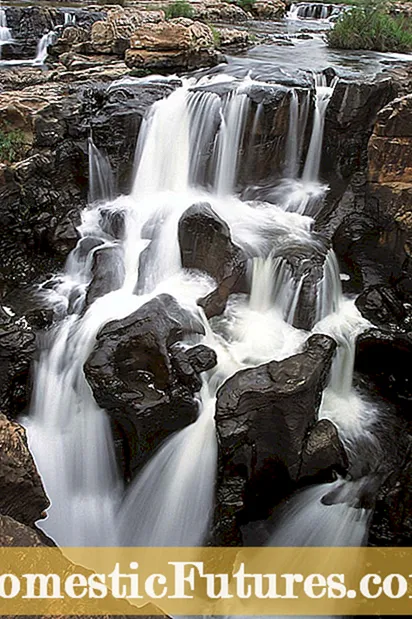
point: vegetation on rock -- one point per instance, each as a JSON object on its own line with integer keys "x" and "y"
{"x": 369, "y": 25}
{"x": 11, "y": 145}
{"x": 180, "y": 8}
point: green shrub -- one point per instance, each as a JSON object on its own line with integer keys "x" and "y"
{"x": 246, "y": 5}
{"x": 12, "y": 145}
{"x": 370, "y": 26}
{"x": 216, "y": 35}
{"x": 180, "y": 8}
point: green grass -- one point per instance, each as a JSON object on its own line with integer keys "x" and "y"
{"x": 12, "y": 145}
{"x": 370, "y": 26}
{"x": 216, "y": 35}
{"x": 180, "y": 8}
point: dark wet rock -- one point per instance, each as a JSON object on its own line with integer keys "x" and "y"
{"x": 22, "y": 495}
{"x": 381, "y": 305}
{"x": 107, "y": 272}
{"x": 263, "y": 416}
{"x": 350, "y": 117}
{"x": 189, "y": 363}
{"x": 392, "y": 518}
{"x": 385, "y": 357}
{"x": 323, "y": 451}
{"x": 206, "y": 245}
{"x": 41, "y": 196}
{"x": 17, "y": 349}
{"x": 132, "y": 376}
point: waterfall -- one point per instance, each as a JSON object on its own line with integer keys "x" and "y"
{"x": 101, "y": 181}
{"x": 69, "y": 19}
{"x": 6, "y": 36}
{"x": 292, "y": 162}
{"x": 42, "y": 48}
{"x": 314, "y": 10}
{"x": 229, "y": 142}
{"x": 323, "y": 94}
{"x": 170, "y": 501}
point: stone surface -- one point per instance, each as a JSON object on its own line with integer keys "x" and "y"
{"x": 134, "y": 375}
{"x": 262, "y": 417}
{"x": 22, "y": 495}
{"x": 17, "y": 349}
{"x": 205, "y": 244}
{"x": 323, "y": 451}
{"x": 179, "y": 44}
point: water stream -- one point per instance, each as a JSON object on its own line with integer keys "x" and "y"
{"x": 170, "y": 502}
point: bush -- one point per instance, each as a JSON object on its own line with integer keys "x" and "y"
{"x": 246, "y": 5}
{"x": 12, "y": 145}
{"x": 180, "y": 8}
{"x": 370, "y": 26}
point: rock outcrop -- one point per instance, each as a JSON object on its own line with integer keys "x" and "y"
{"x": 265, "y": 420}
{"x": 206, "y": 245}
{"x": 17, "y": 349}
{"x": 144, "y": 380}
{"x": 179, "y": 44}
{"x": 22, "y": 495}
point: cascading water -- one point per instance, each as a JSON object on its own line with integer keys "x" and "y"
{"x": 314, "y": 10}
{"x": 6, "y": 36}
{"x": 42, "y": 48}
{"x": 323, "y": 94}
{"x": 170, "y": 501}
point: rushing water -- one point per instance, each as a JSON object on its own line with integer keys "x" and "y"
{"x": 6, "y": 36}
{"x": 170, "y": 501}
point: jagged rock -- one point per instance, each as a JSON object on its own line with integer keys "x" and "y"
{"x": 390, "y": 174}
{"x": 323, "y": 451}
{"x": 17, "y": 349}
{"x": 229, "y": 37}
{"x": 220, "y": 12}
{"x": 381, "y": 305}
{"x": 22, "y": 495}
{"x": 17, "y": 534}
{"x": 268, "y": 9}
{"x": 385, "y": 357}
{"x": 350, "y": 117}
{"x": 112, "y": 36}
{"x": 107, "y": 272}
{"x": 189, "y": 363}
{"x": 179, "y": 44}
{"x": 205, "y": 244}
{"x": 132, "y": 375}
{"x": 263, "y": 416}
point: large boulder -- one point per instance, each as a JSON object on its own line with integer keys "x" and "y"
{"x": 268, "y": 9}
{"x": 227, "y": 12}
{"x": 22, "y": 494}
{"x": 142, "y": 377}
{"x": 263, "y": 419}
{"x": 179, "y": 44}
{"x": 384, "y": 356}
{"x": 112, "y": 35}
{"x": 205, "y": 244}
{"x": 17, "y": 349}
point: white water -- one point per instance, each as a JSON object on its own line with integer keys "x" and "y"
{"x": 170, "y": 502}
{"x": 6, "y": 36}
{"x": 69, "y": 19}
{"x": 42, "y": 48}
{"x": 314, "y": 10}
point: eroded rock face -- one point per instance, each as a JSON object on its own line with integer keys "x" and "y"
{"x": 179, "y": 44}
{"x": 17, "y": 349}
{"x": 22, "y": 495}
{"x": 385, "y": 357}
{"x": 220, "y": 11}
{"x": 390, "y": 169}
{"x": 145, "y": 383}
{"x": 206, "y": 245}
{"x": 263, "y": 416}
{"x": 268, "y": 9}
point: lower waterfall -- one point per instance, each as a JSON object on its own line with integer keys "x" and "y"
{"x": 170, "y": 502}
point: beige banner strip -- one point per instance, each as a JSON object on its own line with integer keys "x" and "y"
{"x": 205, "y": 581}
